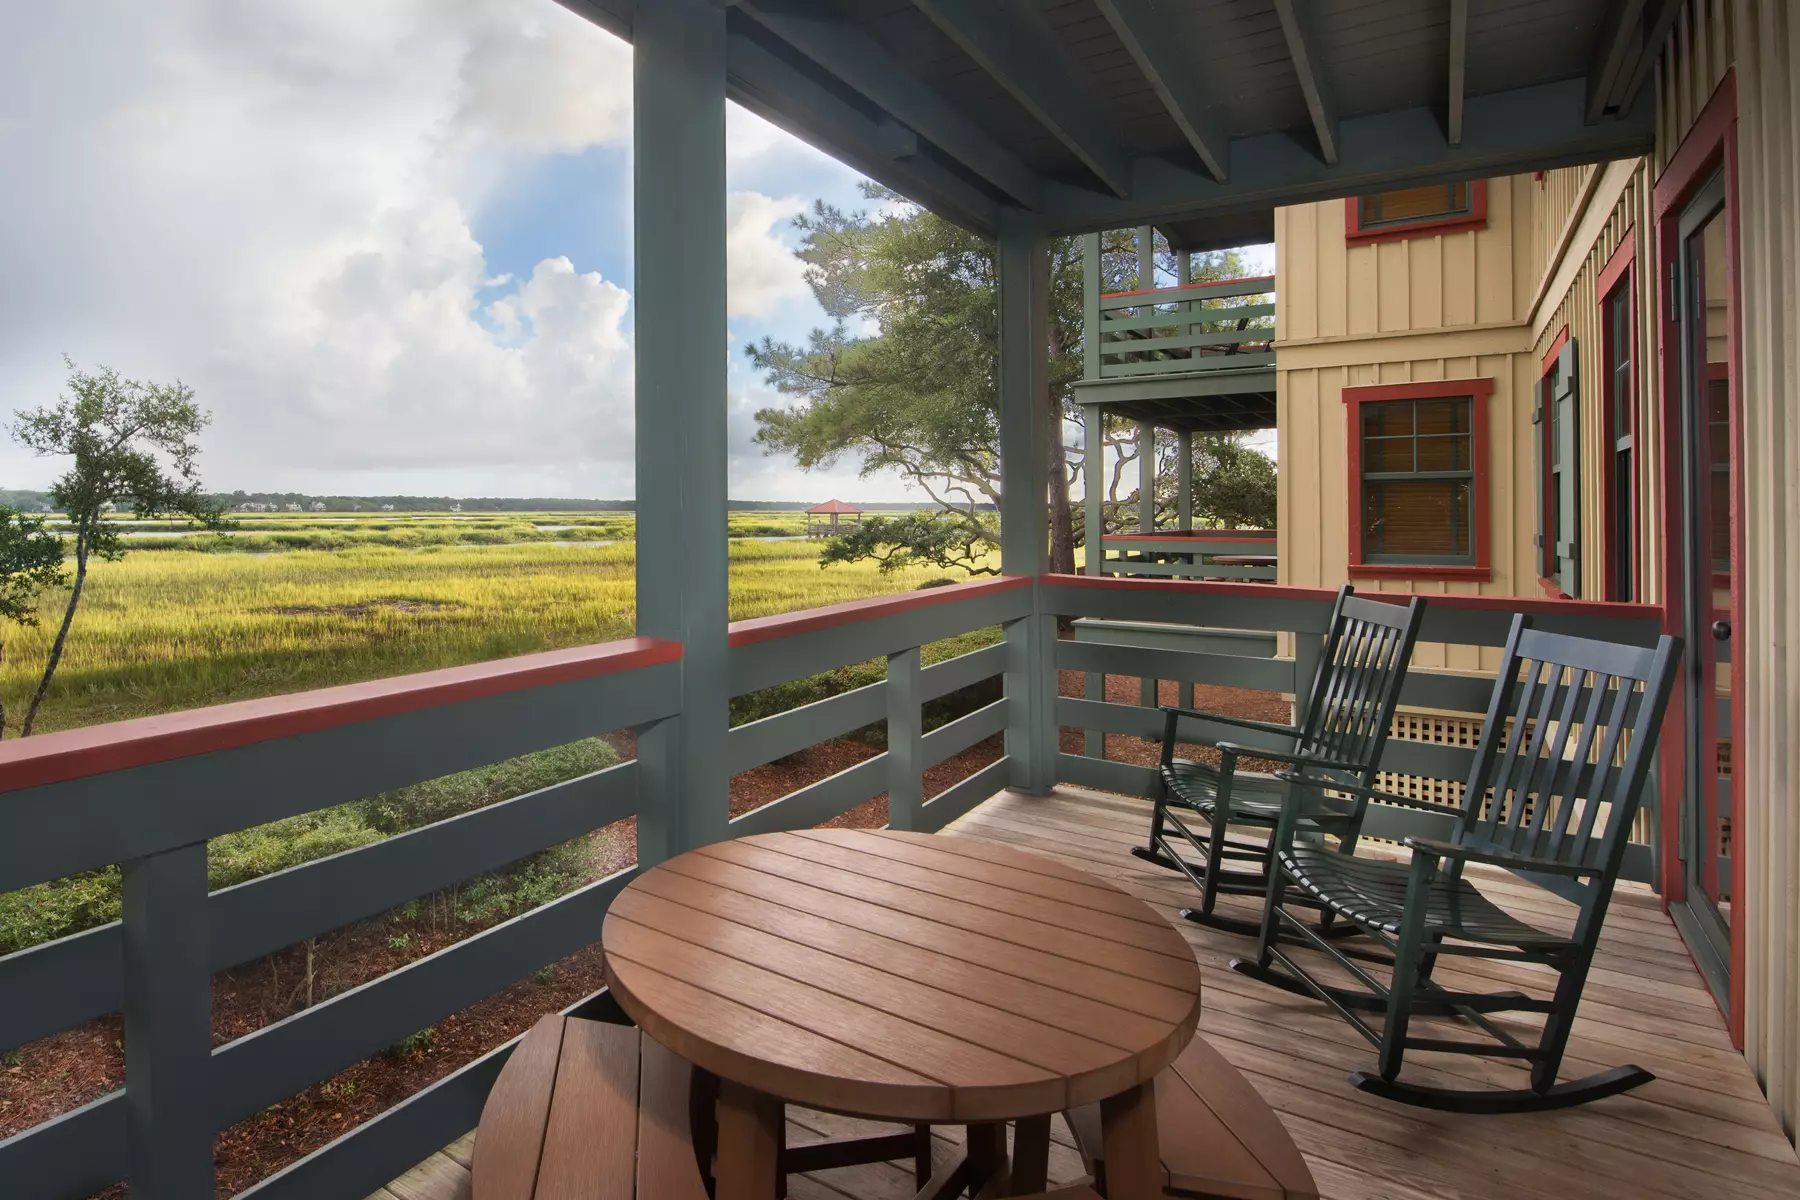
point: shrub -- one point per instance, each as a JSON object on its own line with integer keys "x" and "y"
{"x": 262, "y": 849}
{"x": 439, "y": 799}
{"x": 46, "y": 911}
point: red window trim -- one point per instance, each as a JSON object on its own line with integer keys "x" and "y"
{"x": 1620, "y": 272}
{"x": 1475, "y": 218}
{"x": 1480, "y": 390}
{"x": 1710, "y": 144}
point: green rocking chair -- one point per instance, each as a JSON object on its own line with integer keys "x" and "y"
{"x": 1559, "y": 771}
{"x": 1345, "y": 725}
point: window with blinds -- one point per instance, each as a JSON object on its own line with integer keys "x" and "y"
{"x": 1433, "y": 202}
{"x": 1418, "y": 478}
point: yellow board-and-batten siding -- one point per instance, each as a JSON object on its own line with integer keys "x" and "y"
{"x": 1490, "y": 302}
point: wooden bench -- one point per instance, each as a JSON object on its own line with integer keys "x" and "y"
{"x": 588, "y": 1109}
{"x": 1218, "y": 1137}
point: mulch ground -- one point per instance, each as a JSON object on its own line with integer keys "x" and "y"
{"x": 58, "y": 1073}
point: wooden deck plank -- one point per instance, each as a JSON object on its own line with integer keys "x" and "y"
{"x": 1702, "y": 1128}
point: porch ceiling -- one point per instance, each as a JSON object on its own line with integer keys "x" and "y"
{"x": 1108, "y": 113}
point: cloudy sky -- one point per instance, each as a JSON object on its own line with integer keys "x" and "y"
{"x": 389, "y": 244}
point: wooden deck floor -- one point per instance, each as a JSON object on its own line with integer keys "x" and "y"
{"x": 1701, "y": 1129}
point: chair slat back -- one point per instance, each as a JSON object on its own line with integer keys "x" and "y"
{"x": 1567, "y": 746}
{"x": 1361, "y": 667}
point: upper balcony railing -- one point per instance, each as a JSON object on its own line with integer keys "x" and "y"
{"x": 1225, "y": 325}
{"x": 1243, "y": 555}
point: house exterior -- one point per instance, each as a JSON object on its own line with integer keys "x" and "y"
{"x": 1580, "y": 383}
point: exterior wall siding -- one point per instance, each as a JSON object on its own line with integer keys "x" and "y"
{"x": 1491, "y": 303}
{"x": 1766, "y": 38}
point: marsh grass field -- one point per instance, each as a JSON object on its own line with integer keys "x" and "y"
{"x": 295, "y": 601}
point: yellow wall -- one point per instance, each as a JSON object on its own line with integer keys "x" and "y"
{"x": 1490, "y": 303}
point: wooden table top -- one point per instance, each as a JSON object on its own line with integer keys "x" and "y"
{"x": 898, "y": 975}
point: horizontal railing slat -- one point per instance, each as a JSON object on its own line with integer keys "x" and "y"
{"x": 387, "y": 1146}
{"x": 819, "y": 802}
{"x": 76, "y": 1154}
{"x": 959, "y": 798}
{"x": 958, "y": 735}
{"x": 779, "y": 660}
{"x": 1176, "y": 340}
{"x": 1258, "y": 606}
{"x": 90, "y": 822}
{"x": 1197, "y": 569}
{"x": 51, "y": 987}
{"x": 758, "y": 742}
{"x": 260, "y": 1068}
{"x": 1175, "y": 544}
{"x": 1177, "y": 366}
{"x": 1226, "y": 670}
{"x": 1125, "y": 778}
{"x": 954, "y": 674}
{"x": 279, "y": 910}
{"x": 1254, "y": 285}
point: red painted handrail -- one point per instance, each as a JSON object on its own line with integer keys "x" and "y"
{"x": 763, "y": 629}
{"x": 1192, "y": 287}
{"x": 119, "y": 745}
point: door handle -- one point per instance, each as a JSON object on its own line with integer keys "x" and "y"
{"x": 1721, "y": 631}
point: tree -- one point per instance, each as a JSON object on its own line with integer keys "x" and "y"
{"x": 133, "y": 445}
{"x": 919, "y": 394}
{"x": 31, "y": 560}
{"x": 1234, "y": 484}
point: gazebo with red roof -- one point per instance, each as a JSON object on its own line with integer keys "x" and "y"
{"x": 817, "y": 526}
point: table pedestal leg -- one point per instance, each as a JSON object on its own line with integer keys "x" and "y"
{"x": 1128, "y": 1136}
{"x": 1031, "y": 1155}
{"x": 986, "y": 1149}
{"x": 750, "y": 1127}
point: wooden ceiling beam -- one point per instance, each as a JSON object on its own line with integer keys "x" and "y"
{"x": 1459, "y": 46}
{"x": 856, "y": 59}
{"x": 1296, "y": 27}
{"x": 1014, "y": 46}
{"x": 1143, "y": 30}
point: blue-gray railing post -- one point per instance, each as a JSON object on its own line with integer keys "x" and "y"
{"x": 905, "y": 750}
{"x": 1093, "y": 466}
{"x": 168, "y": 1025}
{"x": 1025, "y": 427}
{"x": 1146, "y": 448}
{"x": 678, "y": 115}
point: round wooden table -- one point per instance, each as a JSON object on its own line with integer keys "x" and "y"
{"x": 909, "y": 977}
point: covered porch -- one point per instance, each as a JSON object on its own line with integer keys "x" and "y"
{"x": 1702, "y": 1128}
{"x": 915, "y": 95}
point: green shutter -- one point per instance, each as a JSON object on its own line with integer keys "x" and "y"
{"x": 1566, "y": 430}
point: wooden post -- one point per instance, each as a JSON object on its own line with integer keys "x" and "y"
{"x": 905, "y": 750}
{"x": 678, "y": 109}
{"x": 1024, "y": 493}
{"x": 168, "y": 1025}
{"x": 1090, "y": 305}
{"x": 1093, "y": 742}
{"x": 1146, "y": 441}
{"x": 1184, "y": 474}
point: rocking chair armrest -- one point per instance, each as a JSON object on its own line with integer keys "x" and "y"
{"x": 1357, "y": 789}
{"x": 1301, "y": 760}
{"x": 1223, "y": 719}
{"x": 1498, "y": 858}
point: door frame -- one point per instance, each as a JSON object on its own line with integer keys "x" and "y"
{"x": 1709, "y": 146}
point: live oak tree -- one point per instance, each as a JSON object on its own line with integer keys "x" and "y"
{"x": 133, "y": 445}
{"x": 31, "y": 560}
{"x": 907, "y": 379}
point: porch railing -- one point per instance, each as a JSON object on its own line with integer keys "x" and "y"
{"x": 1217, "y": 326}
{"x": 1436, "y": 769}
{"x": 1177, "y": 554}
{"x": 148, "y": 794}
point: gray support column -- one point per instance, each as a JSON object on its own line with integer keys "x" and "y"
{"x": 1146, "y": 248}
{"x": 1184, "y": 499}
{"x": 905, "y": 751}
{"x": 1146, "y": 442}
{"x": 1094, "y": 492}
{"x": 168, "y": 1025}
{"x": 1024, "y": 494}
{"x": 1090, "y": 306}
{"x": 678, "y": 51}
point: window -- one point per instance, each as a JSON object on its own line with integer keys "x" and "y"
{"x": 1618, "y": 379}
{"x": 1556, "y": 416}
{"x": 1415, "y": 212}
{"x": 1418, "y": 457}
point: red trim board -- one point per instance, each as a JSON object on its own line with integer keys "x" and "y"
{"x": 764, "y": 629}
{"x": 98, "y": 749}
{"x": 1475, "y": 218}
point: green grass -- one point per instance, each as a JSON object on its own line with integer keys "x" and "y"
{"x": 183, "y": 628}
